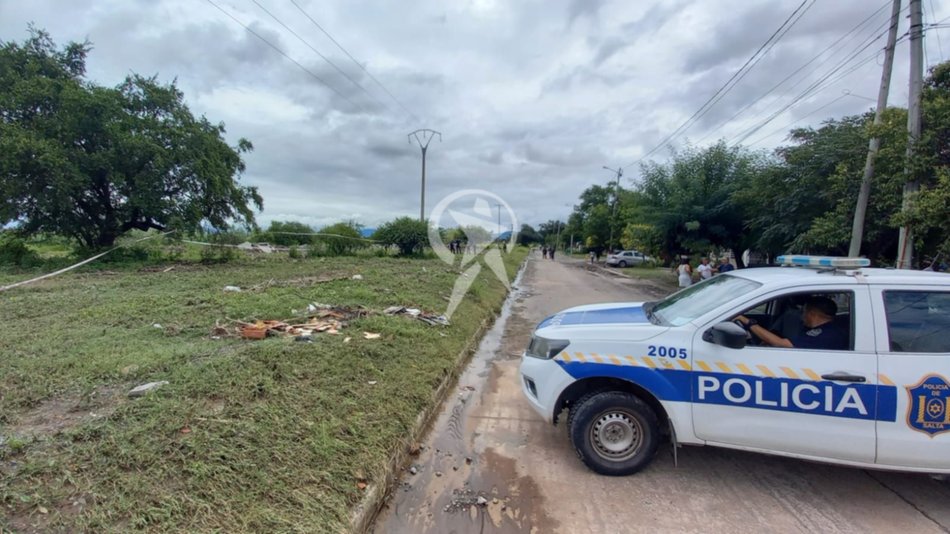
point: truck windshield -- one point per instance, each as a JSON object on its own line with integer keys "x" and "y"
{"x": 694, "y": 301}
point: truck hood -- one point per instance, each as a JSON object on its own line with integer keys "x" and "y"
{"x": 627, "y": 313}
{"x": 621, "y": 321}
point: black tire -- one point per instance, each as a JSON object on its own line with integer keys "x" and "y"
{"x": 622, "y": 264}
{"x": 613, "y": 416}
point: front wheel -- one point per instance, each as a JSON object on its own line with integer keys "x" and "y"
{"x": 614, "y": 433}
{"x": 622, "y": 264}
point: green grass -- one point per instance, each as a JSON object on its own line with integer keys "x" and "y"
{"x": 265, "y": 436}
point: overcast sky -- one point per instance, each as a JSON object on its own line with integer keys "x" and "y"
{"x": 532, "y": 97}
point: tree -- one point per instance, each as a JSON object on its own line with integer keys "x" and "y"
{"x": 93, "y": 162}
{"x": 691, "y": 203}
{"x": 408, "y": 234}
{"x": 288, "y": 233}
{"x": 528, "y": 235}
{"x": 343, "y": 238}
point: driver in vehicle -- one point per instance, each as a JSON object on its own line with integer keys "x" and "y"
{"x": 820, "y": 331}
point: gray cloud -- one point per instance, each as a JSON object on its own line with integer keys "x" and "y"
{"x": 532, "y": 97}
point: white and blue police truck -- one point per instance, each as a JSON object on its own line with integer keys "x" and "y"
{"x": 747, "y": 360}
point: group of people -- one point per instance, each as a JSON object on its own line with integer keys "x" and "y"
{"x": 547, "y": 252}
{"x": 458, "y": 246}
{"x": 704, "y": 270}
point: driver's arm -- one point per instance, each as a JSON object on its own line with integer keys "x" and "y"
{"x": 765, "y": 335}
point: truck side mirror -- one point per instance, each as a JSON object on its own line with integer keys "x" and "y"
{"x": 727, "y": 334}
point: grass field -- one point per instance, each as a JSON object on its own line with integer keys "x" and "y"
{"x": 266, "y": 436}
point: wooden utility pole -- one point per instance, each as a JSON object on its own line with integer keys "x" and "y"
{"x": 905, "y": 247}
{"x": 860, "y": 209}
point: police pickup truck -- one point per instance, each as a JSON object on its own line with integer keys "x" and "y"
{"x": 822, "y": 359}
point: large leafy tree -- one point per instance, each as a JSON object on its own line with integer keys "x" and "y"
{"x": 93, "y": 162}
{"x": 691, "y": 202}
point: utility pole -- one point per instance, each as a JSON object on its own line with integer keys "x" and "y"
{"x": 613, "y": 211}
{"x": 860, "y": 209}
{"x": 423, "y": 137}
{"x": 905, "y": 247}
{"x": 557, "y": 237}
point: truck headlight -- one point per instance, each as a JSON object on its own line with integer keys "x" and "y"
{"x": 544, "y": 348}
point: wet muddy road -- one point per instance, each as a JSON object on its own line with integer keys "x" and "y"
{"x": 491, "y": 464}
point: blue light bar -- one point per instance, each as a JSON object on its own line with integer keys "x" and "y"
{"x": 825, "y": 261}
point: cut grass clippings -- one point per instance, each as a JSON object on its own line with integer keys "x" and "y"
{"x": 263, "y": 436}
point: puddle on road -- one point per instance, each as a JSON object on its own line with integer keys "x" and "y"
{"x": 461, "y": 485}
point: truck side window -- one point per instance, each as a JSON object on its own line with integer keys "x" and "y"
{"x": 783, "y": 316}
{"x": 918, "y": 321}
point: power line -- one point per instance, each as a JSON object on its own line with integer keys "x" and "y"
{"x": 933, "y": 13}
{"x": 325, "y": 58}
{"x": 358, "y": 64}
{"x": 815, "y": 87}
{"x": 726, "y": 87}
{"x": 281, "y": 52}
{"x": 799, "y": 69}
{"x": 783, "y": 128}
{"x": 762, "y": 55}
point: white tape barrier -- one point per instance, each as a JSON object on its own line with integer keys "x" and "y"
{"x": 80, "y": 264}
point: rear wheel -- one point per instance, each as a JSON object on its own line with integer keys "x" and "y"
{"x": 614, "y": 433}
{"x": 622, "y": 263}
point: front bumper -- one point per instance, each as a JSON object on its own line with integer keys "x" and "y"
{"x": 542, "y": 382}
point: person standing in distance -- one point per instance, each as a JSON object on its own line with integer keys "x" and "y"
{"x": 685, "y": 273}
{"x": 704, "y": 269}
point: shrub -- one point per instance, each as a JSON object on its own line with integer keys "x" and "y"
{"x": 13, "y": 251}
{"x": 349, "y": 240}
{"x": 294, "y": 253}
{"x": 405, "y": 233}
{"x": 281, "y": 233}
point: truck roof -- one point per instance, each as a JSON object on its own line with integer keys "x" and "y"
{"x": 792, "y": 275}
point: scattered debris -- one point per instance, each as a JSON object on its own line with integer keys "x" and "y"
{"x": 347, "y": 339}
{"x": 157, "y": 325}
{"x": 304, "y": 338}
{"x": 415, "y": 449}
{"x": 232, "y": 289}
{"x": 438, "y": 473}
{"x": 42, "y": 510}
{"x": 468, "y": 460}
{"x": 372, "y": 382}
{"x": 467, "y": 388}
{"x": 322, "y": 319}
{"x": 413, "y": 470}
{"x": 168, "y": 270}
{"x": 361, "y": 485}
{"x": 129, "y": 369}
{"x": 185, "y": 430}
{"x": 371, "y": 335}
{"x": 357, "y": 277}
{"x": 428, "y": 318}
{"x": 140, "y": 391}
{"x": 463, "y": 500}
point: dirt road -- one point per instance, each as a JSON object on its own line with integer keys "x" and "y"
{"x": 488, "y": 443}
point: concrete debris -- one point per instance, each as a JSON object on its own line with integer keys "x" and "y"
{"x": 232, "y": 289}
{"x": 141, "y": 391}
{"x": 371, "y": 335}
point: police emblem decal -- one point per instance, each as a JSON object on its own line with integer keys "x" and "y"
{"x": 928, "y": 408}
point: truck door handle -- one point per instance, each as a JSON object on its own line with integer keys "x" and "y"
{"x": 844, "y": 377}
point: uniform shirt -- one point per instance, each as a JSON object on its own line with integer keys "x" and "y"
{"x": 828, "y": 336}
{"x": 726, "y": 267}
